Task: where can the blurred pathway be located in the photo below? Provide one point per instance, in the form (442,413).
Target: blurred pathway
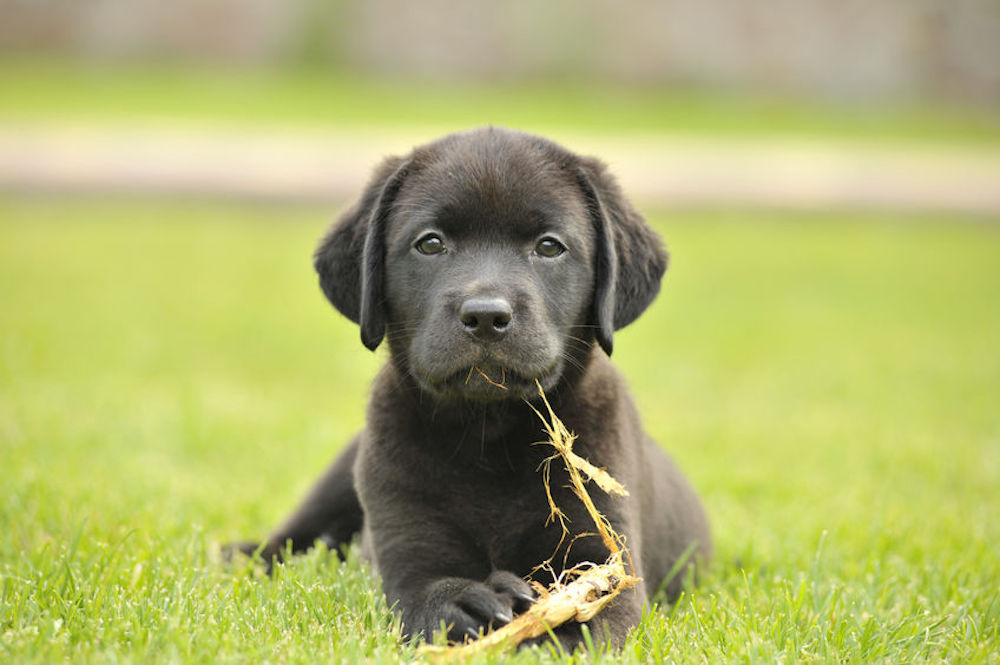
(331,165)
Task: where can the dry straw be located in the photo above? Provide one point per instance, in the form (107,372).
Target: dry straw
(579,593)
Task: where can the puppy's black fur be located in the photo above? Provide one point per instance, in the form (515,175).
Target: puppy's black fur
(500,252)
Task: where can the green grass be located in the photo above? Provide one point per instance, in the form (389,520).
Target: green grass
(52,90)
(171,378)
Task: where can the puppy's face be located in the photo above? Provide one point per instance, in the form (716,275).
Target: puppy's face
(490,259)
(489,272)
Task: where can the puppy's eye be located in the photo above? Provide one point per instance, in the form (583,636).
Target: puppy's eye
(549,248)
(430,244)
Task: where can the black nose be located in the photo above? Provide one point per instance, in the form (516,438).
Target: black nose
(486,318)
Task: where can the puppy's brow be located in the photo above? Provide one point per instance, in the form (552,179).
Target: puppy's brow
(544,220)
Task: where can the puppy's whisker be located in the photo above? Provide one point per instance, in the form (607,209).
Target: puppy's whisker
(572,361)
(578,340)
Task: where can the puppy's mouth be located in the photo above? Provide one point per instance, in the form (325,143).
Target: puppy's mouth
(488,382)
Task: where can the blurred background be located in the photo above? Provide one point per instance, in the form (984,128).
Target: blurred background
(840,50)
(775,102)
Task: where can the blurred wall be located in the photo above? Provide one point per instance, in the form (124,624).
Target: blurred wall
(846,49)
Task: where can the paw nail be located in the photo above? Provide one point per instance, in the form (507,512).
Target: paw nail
(526,597)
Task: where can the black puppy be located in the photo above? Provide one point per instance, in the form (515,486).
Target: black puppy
(484,258)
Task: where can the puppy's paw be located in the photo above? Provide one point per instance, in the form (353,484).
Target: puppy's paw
(518,592)
(471,608)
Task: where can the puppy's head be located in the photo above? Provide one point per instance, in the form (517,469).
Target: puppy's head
(490,258)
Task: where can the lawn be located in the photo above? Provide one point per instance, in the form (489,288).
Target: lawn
(59,91)
(171,378)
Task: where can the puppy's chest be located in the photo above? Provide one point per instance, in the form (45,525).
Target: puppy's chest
(507,523)
(492,500)
(508,516)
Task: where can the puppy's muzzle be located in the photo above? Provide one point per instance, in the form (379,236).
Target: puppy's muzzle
(486,319)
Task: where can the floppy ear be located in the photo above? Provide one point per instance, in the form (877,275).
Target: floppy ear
(631,259)
(349,258)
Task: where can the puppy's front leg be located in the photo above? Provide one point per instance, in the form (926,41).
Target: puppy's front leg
(439,580)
